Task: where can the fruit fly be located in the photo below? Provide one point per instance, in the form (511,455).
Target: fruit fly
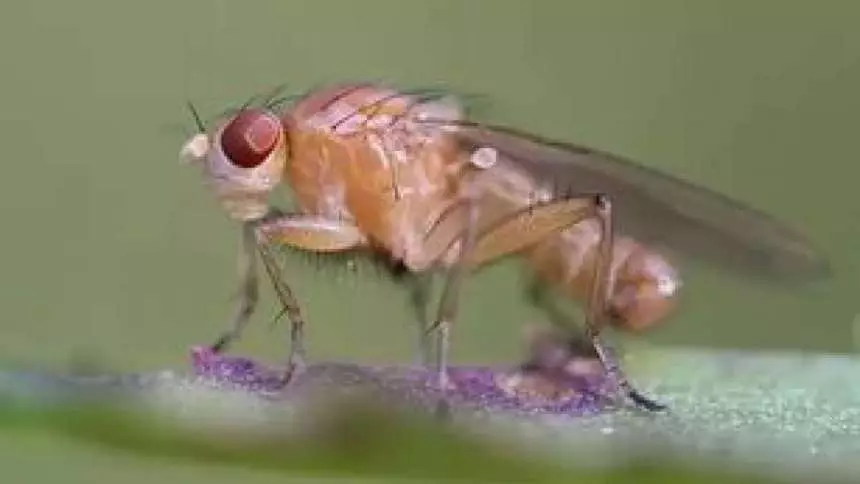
(406,175)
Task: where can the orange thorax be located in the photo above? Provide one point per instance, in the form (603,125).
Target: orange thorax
(355,155)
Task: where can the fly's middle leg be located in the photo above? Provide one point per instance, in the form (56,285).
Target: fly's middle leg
(450,299)
(420,290)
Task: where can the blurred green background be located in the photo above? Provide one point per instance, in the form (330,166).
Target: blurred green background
(114,251)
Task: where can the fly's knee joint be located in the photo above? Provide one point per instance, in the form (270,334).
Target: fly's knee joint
(261,235)
(247,308)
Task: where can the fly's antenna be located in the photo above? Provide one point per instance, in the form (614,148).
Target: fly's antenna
(201,128)
(195,149)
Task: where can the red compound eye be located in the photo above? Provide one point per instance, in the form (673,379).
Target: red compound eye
(250,137)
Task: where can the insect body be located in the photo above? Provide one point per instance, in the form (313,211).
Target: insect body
(406,176)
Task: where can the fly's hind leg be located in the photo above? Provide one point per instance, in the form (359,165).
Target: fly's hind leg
(596,309)
(248,293)
(303,232)
(539,295)
(520,231)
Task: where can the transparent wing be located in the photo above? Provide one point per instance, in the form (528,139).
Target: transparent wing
(655,208)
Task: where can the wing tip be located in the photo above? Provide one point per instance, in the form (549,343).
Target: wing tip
(801,263)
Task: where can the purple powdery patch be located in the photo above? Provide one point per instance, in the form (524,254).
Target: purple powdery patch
(577,389)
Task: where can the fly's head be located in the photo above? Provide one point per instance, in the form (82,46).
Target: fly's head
(243,161)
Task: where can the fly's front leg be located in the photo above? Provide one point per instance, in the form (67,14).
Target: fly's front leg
(248,293)
(290,306)
(596,309)
(303,232)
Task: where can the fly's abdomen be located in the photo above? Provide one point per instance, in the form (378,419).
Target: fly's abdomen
(642,284)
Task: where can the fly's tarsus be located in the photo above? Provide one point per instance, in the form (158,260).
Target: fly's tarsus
(644,402)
